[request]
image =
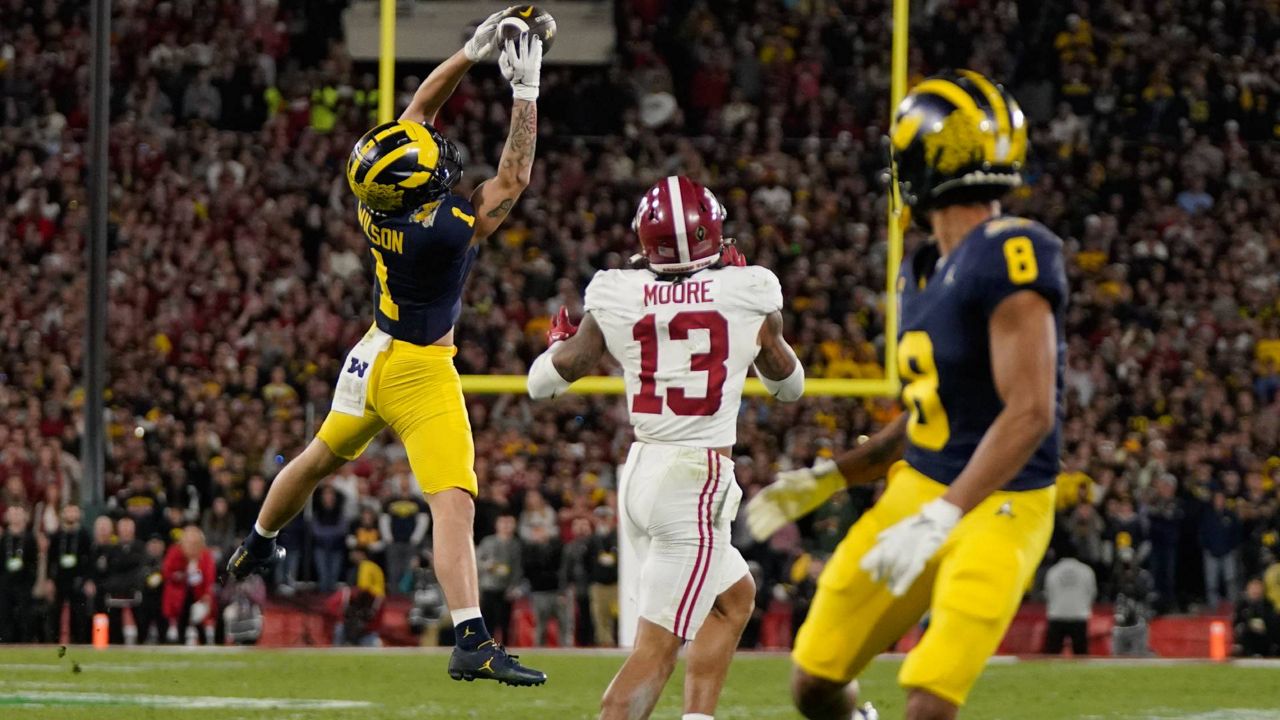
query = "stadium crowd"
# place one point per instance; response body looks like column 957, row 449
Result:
column 238, row 281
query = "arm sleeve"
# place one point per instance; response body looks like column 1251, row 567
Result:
column 544, row 380
column 788, row 389
column 1026, row 257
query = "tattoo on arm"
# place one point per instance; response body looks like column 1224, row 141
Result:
column 522, row 140
column 776, row 360
column 503, row 208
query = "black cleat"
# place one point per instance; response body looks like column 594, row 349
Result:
column 491, row 661
column 244, row 563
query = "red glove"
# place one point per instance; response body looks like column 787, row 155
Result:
column 731, row 255
column 561, row 328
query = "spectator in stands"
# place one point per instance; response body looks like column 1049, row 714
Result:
column 537, row 513
column 1257, row 628
column 576, row 582
column 541, row 562
column 1220, row 537
column 18, row 560
column 1271, row 577
column 1070, row 588
column 219, row 527
column 498, row 559
column 358, row 608
column 70, row 563
column 124, row 578
column 250, row 502
column 43, row 625
column 188, row 602
column 150, row 620
column 104, row 546
column 328, row 532
column 141, row 501
column 1165, row 516
column 404, row 524
column 602, row 573
column 365, row 534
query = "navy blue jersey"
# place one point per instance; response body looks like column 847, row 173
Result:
column 944, row 350
column 420, row 263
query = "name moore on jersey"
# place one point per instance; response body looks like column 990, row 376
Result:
column 684, row 346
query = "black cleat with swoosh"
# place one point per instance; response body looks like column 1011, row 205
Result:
column 244, row 563
column 491, row 661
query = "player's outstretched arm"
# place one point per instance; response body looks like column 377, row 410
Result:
column 440, row 84
column 574, row 352
column 521, row 64
column 796, row 493
column 777, row 365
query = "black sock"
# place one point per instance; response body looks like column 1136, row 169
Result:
column 471, row 634
column 257, row 545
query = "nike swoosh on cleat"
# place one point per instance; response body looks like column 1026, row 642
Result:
column 527, row 11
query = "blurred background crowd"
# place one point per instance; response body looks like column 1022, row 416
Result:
column 238, row 281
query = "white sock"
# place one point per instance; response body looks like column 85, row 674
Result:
column 465, row 614
column 257, row 527
column 696, row 716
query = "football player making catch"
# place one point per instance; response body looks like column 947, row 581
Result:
column 423, row 240
column 968, row 506
column 685, row 327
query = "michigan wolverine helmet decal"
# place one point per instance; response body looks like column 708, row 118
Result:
column 957, row 138
column 400, row 166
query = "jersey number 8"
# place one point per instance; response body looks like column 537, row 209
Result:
column 928, row 427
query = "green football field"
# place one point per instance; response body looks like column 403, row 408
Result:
column 331, row 685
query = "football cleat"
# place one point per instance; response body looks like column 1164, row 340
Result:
column 244, row 563
column 491, row 661
column 866, row 712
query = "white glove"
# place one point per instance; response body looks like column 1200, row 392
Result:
column 794, row 494
column 484, row 41
column 901, row 551
column 521, row 64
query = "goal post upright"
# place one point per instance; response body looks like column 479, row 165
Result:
column 386, row 61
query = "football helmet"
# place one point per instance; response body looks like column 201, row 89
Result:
column 957, row 138
column 400, row 166
column 680, row 224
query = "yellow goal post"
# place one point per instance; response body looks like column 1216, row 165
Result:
column 887, row 386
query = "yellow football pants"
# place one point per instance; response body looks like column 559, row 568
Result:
column 972, row 588
column 416, row 390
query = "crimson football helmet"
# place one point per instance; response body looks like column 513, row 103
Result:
column 680, row 224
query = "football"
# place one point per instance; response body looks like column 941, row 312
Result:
column 529, row 18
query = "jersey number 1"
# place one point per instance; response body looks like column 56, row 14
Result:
column 712, row 362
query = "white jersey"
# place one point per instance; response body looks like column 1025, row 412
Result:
column 684, row 346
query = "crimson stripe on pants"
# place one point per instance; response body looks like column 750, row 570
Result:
column 711, row 538
column 698, row 560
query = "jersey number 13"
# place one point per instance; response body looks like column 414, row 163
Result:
column 649, row 401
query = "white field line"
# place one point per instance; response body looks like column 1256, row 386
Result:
column 191, row 702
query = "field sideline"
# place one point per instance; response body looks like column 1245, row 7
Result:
column 227, row 684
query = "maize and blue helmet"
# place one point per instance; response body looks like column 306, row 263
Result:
column 957, row 138
column 398, row 167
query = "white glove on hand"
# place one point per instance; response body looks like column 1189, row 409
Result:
column 484, row 41
column 794, row 494
column 901, row 551
column 521, row 64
